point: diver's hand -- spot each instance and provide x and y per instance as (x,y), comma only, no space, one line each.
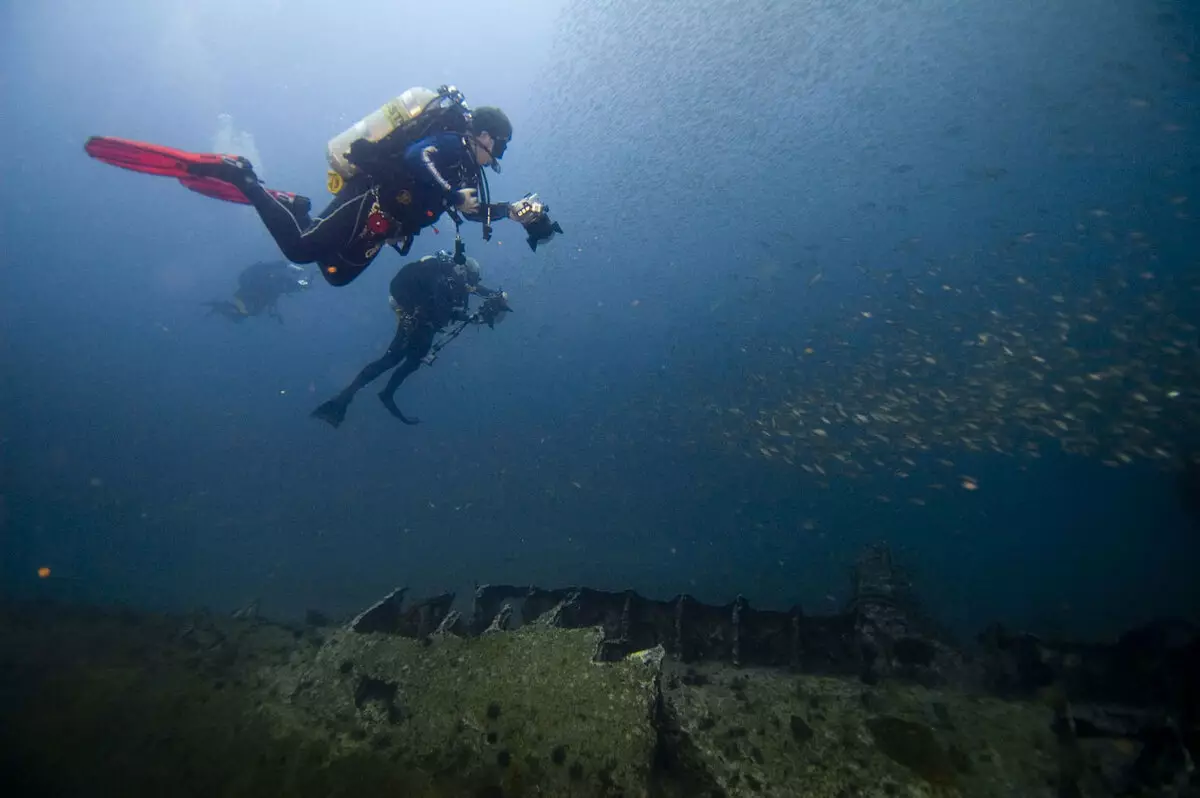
(466,200)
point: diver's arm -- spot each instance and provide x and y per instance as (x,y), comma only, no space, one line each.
(431,171)
(485,293)
(422,158)
(488,213)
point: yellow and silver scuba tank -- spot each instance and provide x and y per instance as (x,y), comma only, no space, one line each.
(374,127)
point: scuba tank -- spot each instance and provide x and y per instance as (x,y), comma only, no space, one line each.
(412,115)
(375,126)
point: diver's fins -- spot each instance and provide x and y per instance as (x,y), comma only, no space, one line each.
(332,412)
(196,171)
(390,404)
(139,156)
(217,189)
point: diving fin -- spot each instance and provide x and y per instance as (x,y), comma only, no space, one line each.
(332,412)
(390,404)
(209,174)
(140,156)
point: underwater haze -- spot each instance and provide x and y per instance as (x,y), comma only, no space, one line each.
(833,272)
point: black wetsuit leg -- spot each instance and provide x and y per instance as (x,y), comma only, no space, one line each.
(338,238)
(419,344)
(395,353)
(334,411)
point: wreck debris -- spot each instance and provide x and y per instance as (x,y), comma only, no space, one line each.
(388,616)
(382,616)
(565,697)
(893,633)
(881,632)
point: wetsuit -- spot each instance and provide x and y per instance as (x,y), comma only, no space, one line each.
(370,210)
(260,286)
(426,295)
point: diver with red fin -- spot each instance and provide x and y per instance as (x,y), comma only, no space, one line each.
(392,174)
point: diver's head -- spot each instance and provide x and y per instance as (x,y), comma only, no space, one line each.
(490,133)
(468,272)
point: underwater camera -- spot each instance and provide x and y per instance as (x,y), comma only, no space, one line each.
(534,216)
(493,309)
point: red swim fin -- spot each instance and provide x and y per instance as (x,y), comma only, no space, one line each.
(154,159)
(217,189)
(138,156)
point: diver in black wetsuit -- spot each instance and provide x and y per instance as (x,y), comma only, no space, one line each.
(260,286)
(426,295)
(397,189)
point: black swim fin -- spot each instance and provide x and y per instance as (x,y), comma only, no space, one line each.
(332,412)
(390,404)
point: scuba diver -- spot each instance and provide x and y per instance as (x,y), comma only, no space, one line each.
(259,288)
(426,295)
(392,174)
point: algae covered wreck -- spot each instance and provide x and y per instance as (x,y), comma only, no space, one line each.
(577,692)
